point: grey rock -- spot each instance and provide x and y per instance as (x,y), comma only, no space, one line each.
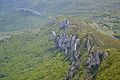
(94,59)
(72,43)
(77,44)
(88,44)
(77,57)
(53,35)
(64,24)
(106,55)
(71,48)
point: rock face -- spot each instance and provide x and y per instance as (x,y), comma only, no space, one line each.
(25,10)
(94,59)
(65,24)
(53,35)
(88,44)
(70,46)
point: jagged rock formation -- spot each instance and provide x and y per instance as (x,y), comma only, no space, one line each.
(88,43)
(71,48)
(70,45)
(64,24)
(95,58)
(53,35)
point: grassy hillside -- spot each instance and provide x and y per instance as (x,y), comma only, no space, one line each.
(31,55)
(109,69)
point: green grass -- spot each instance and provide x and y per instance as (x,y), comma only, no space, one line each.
(31,56)
(110,68)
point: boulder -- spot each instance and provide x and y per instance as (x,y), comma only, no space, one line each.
(77,57)
(70,46)
(103,55)
(77,44)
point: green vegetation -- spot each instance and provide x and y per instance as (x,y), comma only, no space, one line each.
(31,56)
(110,68)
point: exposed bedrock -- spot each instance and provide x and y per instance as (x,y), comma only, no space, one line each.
(70,46)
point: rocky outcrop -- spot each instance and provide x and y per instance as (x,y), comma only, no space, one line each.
(95,58)
(88,44)
(73,69)
(64,24)
(53,35)
(70,46)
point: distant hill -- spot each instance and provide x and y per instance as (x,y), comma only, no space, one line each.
(21,19)
(97,10)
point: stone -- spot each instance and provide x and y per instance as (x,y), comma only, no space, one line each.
(77,44)
(94,59)
(64,24)
(77,65)
(53,35)
(88,44)
(60,42)
(67,46)
(77,57)
(105,55)
(72,43)
(70,46)
(97,58)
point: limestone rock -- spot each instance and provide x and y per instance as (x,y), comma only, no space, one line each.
(88,44)
(94,59)
(64,24)
(53,35)
(71,48)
